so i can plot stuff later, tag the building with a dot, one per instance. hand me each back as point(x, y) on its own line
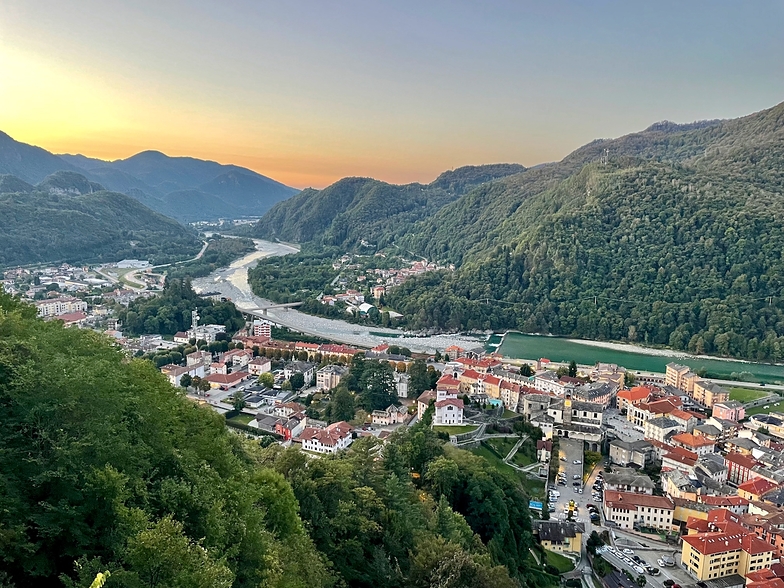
point(175, 372)
point(731, 410)
point(707, 393)
point(331, 439)
point(625, 399)
point(715, 554)
point(628, 480)
point(601, 393)
point(449, 409)
point(639, 453)
point(693, 443)
point(755, 488)
point(424, 400)
point(305, 368)
point(226, 381)
point(329, 377)
point(261, 328)
point(559, 536)
point(401, 384)
point(391, 416)
point(577, 420)
point(259, 365)
point(629, 510)
point(58, 306)
point(544, 450)
point(660, 428)
point(739, 467)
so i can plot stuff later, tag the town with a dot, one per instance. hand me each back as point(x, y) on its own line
point(641, 474)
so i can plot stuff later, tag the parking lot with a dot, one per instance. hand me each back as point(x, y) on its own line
point(650, 552)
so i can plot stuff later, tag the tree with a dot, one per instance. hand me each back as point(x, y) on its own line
point(628, 379)
point(286, 385)
point(641, 581)
point(572, 369)
point(297, 380)
point(237, 401)
point(419, 379)
point(185, 380)
point(377, 386)
point(204, 385)
point(341, 407)
point(267, 380)
point(525, 370)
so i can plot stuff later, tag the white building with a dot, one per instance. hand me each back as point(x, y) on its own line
point(329, 376)
point(391, 416)
point(259, 365)
point(449, 408)
point(332, 439)
point(401, 383)
point(58, 306)
point(176, 372)
point(627, 510)
point(262, 328)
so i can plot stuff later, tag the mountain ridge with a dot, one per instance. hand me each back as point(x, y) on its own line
point(152, 177)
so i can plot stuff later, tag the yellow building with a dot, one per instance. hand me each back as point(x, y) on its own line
point(707, 393)
point(559, 536)
point(712, 555)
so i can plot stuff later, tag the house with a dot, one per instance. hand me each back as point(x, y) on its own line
point(628, 480)
point(698, 445)
point(680, 459)
point(238, 357)
point(730, 410)
point(625, 399)
point(510, 395)
point(424, 400)
point(639, 453)
point(261, 328)
point(544, 449)
point(331, 439)
point(219, 367)
point(707, 393)
point(329, 377)
point(659, 428)
point(559, 536)
point(290, 427)
point(735, 504)
point(204, 357)
point(226, 381)
point(401, 384)
point(176, 372)
point(739, 467)
point(754, 488)
point(490, 385)
point(629, 510)
point(392, 415)
point(259, 365)
point(449, 411)
point(307, 369)
point(601, 393)
point(181, 337)
point(286, 409)
point(548, 382)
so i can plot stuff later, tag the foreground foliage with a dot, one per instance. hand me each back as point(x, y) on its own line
point(108, 468)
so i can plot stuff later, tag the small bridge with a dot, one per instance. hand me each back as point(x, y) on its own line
point(262, 310)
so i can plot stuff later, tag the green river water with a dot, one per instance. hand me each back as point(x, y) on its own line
point(518, 345)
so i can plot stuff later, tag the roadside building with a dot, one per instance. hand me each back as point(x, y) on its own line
point(559, 536)
point(640, 453)
point(630, 510)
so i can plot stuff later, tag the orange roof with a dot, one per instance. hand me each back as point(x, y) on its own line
point(724, 500)
point(699, 525)
point(757, 486)
point(682, 414)
point(636, 394)
point(681, 454)
point(470, 374)
point(448, 381)
point(741, 460)
point(710, 543)
point(689, 440)
point(510, 386)
point(453, 401)
point(753, 545)
point(492, 380)
point(633, 500)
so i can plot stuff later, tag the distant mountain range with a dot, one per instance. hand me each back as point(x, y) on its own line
point(69, 218)
point(183, 188)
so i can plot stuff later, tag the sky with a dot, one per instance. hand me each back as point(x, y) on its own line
point(309, 91)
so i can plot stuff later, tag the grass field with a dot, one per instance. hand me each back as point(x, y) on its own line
point(503, 445)
point(242, 418)
point(746, 394)
point(508, 414)
point(454, 429)
point(772, 407)
point(562, 563)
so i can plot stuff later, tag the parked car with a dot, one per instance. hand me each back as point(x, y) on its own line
point(654, 571)
point(577, 462)
point(628, 551)
point(638, 569)
point(576, 477)
point(580, 490)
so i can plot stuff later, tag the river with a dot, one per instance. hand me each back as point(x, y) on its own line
point(232, 282)
point(518, 345)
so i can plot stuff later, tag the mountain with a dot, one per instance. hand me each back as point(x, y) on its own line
point(671, 236)
point(356, 210)
point(165, 184)
point(186, 188)
point(66, 217)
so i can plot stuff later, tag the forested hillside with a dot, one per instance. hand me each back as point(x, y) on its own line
point(68, 218)
point(107, 467)
point(354, 211)
point(671, 236)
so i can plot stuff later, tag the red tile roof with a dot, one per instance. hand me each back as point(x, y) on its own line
point(723, 500)
point(689, 440)
point(453, 401)
point(757, 486)
point(470, 374)
point(636, 394)
point(741, 460)
point(630, 500)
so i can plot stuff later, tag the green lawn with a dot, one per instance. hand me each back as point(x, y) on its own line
point(243, 418)
point(455, 429)
point(533, 486)
point(562, 563)
point(508, 414)
point(762, 410)
point(521, 458)
point(746, 394)
point(503, 445)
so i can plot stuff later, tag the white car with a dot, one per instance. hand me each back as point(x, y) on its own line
point(577, 462)
point(660, 562)
point(628, 551)
point(638, 569)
